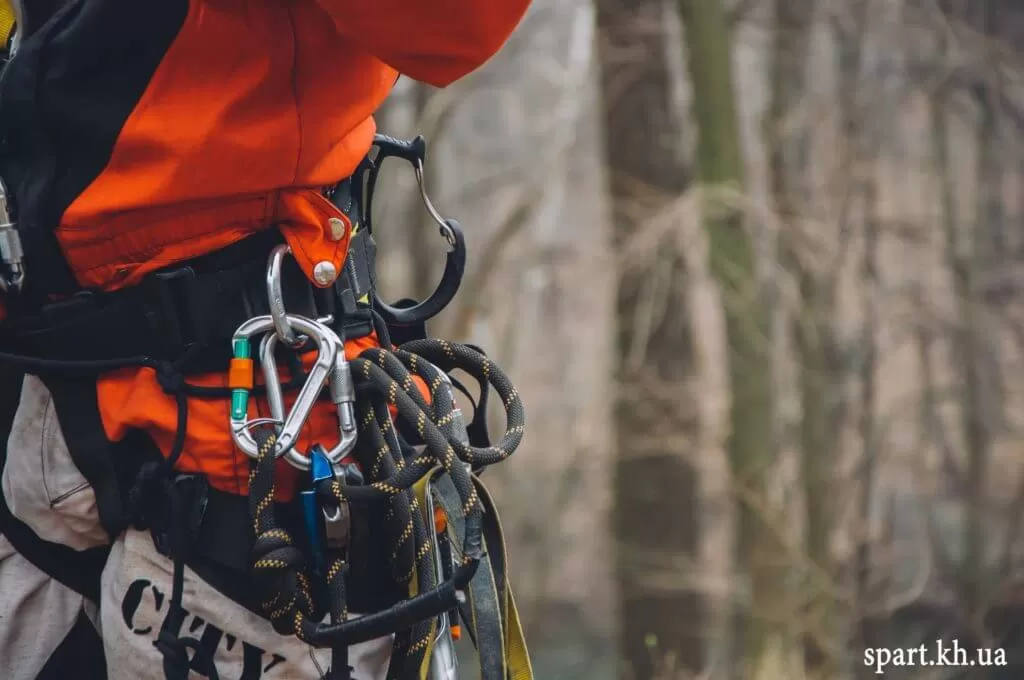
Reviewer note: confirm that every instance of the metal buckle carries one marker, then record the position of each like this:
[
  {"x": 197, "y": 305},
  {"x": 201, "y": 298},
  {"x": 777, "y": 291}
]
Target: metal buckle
[{"x": 12, "y": 255}]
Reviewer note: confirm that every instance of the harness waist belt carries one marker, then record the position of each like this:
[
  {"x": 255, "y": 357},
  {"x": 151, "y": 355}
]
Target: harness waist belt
[{"x": 191, "y": 310}]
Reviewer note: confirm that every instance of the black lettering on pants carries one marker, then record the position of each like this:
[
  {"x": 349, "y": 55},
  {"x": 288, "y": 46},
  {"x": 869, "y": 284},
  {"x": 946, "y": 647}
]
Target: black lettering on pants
[{"x": 142, "y": 595}]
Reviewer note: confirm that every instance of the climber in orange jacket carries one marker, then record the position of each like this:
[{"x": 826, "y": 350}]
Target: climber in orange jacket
[{"x": 142, "y": 136}]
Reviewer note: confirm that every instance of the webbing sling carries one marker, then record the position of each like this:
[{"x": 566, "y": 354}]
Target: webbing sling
[{"x": 490, "y": 612}]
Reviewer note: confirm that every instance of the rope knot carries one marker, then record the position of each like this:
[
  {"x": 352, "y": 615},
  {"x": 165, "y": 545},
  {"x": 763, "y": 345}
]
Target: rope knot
[
  {"x": 277, "y": 568},
  {"x": 170, "y": 378}
]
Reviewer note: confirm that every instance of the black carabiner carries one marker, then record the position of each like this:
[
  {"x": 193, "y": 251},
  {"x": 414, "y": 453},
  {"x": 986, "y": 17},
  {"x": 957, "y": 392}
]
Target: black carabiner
[
  {"x": 414, "y": 152},
  {"x": 451, "y": 279}
]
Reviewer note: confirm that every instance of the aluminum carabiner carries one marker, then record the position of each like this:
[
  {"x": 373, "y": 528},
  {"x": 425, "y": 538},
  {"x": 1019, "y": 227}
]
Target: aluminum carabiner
[
  {"x": 328, "y": 345},
  {"x": 341, "y": 389},
  {"x": 275, "y": 298}
]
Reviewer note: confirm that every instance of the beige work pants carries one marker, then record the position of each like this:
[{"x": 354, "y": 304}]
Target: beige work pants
[{"x": 46, "y": 491}]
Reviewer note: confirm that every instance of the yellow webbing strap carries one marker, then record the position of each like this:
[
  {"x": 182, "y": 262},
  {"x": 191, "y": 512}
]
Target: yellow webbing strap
[
  {"x": 6, "y": 23},
  {"x": 517, "y": 656},
  {"x": 505, "y": 633}
]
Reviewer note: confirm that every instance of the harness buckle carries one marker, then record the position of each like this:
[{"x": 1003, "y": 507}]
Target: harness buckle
[
  {"x": 338, "y": 526},
  {"x": 178, "y": 319},
  {"x": 336, "y": 519},
  {"x": 194, "y": 494}
]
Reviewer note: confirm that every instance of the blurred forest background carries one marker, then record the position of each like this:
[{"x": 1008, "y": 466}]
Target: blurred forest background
[{"x": 757, "y": 268}]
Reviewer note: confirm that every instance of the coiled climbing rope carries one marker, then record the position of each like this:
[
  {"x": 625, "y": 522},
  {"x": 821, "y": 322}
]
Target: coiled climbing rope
[{"x": 384, "y": 381}]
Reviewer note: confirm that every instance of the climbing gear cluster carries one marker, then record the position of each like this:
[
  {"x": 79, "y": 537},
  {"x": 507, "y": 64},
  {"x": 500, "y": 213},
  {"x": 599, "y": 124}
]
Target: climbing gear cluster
[
  {"x": 398, "y": 492},
  {"x": 383, "y": 380}
]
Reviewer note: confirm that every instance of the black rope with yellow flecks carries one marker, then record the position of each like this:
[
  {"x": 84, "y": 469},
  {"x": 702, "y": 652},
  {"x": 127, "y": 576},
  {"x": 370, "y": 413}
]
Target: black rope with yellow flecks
[{"x": 384, "y": 382}]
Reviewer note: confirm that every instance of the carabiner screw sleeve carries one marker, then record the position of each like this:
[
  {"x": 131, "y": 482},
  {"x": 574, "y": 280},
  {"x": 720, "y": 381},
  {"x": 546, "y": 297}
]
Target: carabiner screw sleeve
[{"x": 240, "y": 378}]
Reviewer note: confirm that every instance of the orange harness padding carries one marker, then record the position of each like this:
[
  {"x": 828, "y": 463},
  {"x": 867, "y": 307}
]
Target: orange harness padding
[
  {"x": 133, "y": 398},
  {"x": 118, "y": 250}
]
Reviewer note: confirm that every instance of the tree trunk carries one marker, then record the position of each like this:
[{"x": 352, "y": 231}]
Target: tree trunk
[
  {"x": 720, "y": 166},
  {"x": 790, "y": 45},
  {"x": 655, "y": 520}
]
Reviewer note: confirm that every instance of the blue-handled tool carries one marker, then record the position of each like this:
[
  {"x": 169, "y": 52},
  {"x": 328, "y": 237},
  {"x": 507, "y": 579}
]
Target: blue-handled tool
[{"x": 320, "y": 469}]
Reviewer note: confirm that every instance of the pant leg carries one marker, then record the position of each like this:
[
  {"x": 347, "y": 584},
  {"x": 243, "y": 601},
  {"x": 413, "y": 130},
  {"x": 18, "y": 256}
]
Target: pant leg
[
  {"x": 44, "y": 630},
  {"x": 237, "y": 643},
  {"x": 79, "y": 656},
  {"x": 37, "y": 614},
  {"x": 46, "y": 491},
  {"x": 42, "y": 485}
]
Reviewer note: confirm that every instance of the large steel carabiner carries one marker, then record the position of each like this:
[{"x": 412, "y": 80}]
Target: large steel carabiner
[
  {"x": 328, "y": 346},
  {"x": 343, "y": 396}
]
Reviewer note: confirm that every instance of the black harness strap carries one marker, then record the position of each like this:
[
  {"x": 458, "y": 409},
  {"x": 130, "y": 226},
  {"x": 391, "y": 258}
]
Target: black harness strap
[
  {"x": 78, "y": 570},
  {"x": 80, "y": 655},
  {"x": 194, "y": 306},
  {"x": 92, "y": 453}
]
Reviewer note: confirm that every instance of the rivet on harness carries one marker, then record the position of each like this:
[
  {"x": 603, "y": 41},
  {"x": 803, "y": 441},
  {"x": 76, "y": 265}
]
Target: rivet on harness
[{"x": 401, "y": 479}]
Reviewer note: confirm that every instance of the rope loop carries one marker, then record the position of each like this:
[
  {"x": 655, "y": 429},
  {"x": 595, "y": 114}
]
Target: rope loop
[{"x": 388, "y": 392}]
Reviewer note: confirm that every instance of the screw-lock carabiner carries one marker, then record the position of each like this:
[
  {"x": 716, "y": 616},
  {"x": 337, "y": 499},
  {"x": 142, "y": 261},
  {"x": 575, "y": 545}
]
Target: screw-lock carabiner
[{"x": 328, "y": 345}]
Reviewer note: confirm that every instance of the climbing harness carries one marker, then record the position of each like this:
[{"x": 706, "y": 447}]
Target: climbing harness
[
  {"x": 436, "y": 584},
  {"x": 395, "y": 522}
]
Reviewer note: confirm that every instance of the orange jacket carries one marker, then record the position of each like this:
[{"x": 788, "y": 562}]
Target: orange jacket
[{"x": 176, "y": 127}]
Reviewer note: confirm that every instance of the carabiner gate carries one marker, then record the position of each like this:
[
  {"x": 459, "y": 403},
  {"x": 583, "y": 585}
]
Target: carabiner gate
[{"x": 342, "y": 391}]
